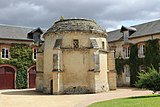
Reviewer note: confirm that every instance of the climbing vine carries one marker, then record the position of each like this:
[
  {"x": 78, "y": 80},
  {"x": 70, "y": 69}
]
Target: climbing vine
[
  {"x": 119, "y": 64},
  {"x": 152, "y": 58},
  {"x": 133, "y": 63},
  {"x": 21, "y": 58}
]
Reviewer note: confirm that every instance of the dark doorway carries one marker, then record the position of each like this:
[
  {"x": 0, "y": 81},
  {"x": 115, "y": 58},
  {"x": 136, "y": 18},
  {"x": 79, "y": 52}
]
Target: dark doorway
[{"x": 51, "y": 87}]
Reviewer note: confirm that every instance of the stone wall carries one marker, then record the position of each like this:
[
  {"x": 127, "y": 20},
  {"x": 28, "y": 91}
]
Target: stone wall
[
  {"x": 39, "y": 63},
  {"x": 39, "y": 72},
  {"x": 39, "y": 82},
  {"x": 112, "y": 80},
  {"x": 76, "y": 66}
]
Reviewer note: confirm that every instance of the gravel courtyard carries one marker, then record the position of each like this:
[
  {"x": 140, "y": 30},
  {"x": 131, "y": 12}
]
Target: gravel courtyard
[{"x": 31, "y": 98}]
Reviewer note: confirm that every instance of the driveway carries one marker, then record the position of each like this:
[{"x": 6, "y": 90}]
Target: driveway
[{"x": 31, "y": 98}]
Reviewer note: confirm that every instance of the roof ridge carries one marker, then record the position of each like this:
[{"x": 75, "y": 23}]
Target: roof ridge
[
  {"x": 18, "y": 26},
  {"x": 145, "y": 23},
  {"x": 136, "y": 25},
  {"x": 113, "y": 31}
]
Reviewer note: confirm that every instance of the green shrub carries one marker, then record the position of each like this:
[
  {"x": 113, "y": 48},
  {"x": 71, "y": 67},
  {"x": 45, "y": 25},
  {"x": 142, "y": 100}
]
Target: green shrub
[{"x": 149, "y": 80}]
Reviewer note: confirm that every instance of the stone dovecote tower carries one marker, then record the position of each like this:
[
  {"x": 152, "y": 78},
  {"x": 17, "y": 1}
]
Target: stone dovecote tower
[{"x": 75, "y": 59}]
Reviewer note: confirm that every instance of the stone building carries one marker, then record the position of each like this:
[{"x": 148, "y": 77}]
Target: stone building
[
  {"x": 12, "y": 35},
  {"x": 120, "y": 40},
  {"x": 75, "y": 58}
]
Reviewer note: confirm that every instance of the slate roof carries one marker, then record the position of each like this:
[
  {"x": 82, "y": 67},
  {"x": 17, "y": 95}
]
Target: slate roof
[
  {"x": 14, "y": 32},
  {"x": 144, "y": 29},
  {"x": 114, "y": 35}
]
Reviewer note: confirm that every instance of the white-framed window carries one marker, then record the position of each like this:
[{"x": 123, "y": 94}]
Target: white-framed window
[
  {"x": 126, "y": 52},
  {"x": 5, "y": 53},
  {"x": 141, "y": 50},
  {"x": 114, "y": 49},
  {"x": 127, "y": 70},
  {"x": 75, "y": 43},
  {"x": 35, "y": 50},
  {"x": 142, "y": 68}
]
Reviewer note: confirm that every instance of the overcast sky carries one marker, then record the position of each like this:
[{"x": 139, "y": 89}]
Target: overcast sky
[{"x": 110, "y": 14}]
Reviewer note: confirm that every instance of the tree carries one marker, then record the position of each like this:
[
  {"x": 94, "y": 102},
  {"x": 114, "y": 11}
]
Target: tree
[{"x": 149, "y": 80}]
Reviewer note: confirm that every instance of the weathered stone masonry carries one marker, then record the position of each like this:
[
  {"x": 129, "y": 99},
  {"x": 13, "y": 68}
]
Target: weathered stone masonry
[{"x": 74, "y": 59}]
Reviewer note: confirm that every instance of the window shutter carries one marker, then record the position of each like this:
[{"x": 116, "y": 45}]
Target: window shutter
[
  {"x": 55, "y": 61},
  {"x": 97, "y": 62},
  {"x": 94, "y": 43}
]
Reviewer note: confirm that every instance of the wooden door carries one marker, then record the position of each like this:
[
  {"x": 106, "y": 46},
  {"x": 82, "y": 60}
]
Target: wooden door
[
  {"x": 32, "y": 77},
  {"x": 7, "y": 78}
]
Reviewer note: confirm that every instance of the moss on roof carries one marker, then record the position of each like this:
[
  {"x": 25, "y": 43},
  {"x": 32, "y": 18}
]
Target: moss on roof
[{"x": 84, "y": 25}]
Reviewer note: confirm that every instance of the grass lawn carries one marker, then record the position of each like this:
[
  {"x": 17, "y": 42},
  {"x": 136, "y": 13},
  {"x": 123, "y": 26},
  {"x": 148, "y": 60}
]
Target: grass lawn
[{"x": 141, "y": 101}]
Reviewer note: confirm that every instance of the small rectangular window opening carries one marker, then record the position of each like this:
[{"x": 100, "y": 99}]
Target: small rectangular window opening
[{"x": 76, "y": 43}]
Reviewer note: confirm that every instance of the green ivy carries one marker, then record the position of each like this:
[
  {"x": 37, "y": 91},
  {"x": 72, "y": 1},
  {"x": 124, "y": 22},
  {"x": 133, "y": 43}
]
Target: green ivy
[
  {"x": 133, "y": 63},
  {"x": 119, "y": 64},
  {"x": 21, "y": 58},
  {"x": 152, "y": 58}
]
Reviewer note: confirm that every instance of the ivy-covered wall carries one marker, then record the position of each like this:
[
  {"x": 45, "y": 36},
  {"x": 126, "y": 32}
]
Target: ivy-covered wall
[
  {"x": 152, "y": 58},
  {"x": 21, "y": 58}
]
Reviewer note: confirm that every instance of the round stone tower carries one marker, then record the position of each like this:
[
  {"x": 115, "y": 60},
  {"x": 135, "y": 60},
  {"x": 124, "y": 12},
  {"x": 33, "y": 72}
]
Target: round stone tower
[{"x": 74, "y": 58}]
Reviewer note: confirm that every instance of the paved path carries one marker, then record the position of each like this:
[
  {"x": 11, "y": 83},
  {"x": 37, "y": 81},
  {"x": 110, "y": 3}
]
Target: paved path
[{"x": 30, "y": 98}]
